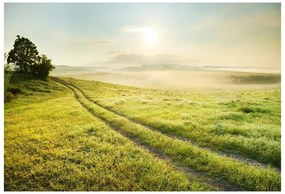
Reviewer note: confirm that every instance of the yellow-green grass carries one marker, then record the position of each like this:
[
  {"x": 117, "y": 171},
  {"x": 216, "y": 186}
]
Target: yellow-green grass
[
  {"x": 53, "y": 143},
  {"x": 243, "y": 122},
  {"x": 215, "y": 166}
]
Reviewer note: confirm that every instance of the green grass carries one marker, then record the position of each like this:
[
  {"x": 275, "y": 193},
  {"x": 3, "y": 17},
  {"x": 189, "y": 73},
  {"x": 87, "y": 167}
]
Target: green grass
[
  {"x": 248, "y": 120},
  {"x": 52, "y": 143},
  {"x": 55, "y": 142},
  {"x": 213, "y": 165}
]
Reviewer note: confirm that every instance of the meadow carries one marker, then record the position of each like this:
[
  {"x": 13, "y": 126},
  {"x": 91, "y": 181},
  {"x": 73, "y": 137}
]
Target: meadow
[{"x": 70, "y": 134}]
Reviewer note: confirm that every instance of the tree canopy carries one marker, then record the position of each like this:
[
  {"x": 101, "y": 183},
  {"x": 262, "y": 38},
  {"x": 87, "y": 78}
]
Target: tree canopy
[
  {"x": 26, "y": 58},
  {"x": 42, "y": 68}
]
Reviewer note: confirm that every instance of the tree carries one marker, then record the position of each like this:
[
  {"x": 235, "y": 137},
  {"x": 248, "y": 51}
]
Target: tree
[
  {"x": 42, "y": 67},
  {"x": 27, "y": 60},
  {"x": 24, "y": 54}
]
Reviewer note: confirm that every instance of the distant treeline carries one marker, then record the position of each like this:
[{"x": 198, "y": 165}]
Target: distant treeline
[{"x": 256, "y": 79}]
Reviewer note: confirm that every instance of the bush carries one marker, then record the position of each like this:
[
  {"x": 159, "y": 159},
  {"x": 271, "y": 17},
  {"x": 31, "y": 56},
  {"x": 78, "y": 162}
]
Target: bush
[{"x": 42, "y": 68}]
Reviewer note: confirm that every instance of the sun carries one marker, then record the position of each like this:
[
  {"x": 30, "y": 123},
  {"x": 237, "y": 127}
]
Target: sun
[{"x": 150, "y": 36}]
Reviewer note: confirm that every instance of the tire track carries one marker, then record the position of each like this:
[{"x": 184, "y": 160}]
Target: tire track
[
  {"x": 200, "y": 176},
  {"x": 236, "y": 157}
]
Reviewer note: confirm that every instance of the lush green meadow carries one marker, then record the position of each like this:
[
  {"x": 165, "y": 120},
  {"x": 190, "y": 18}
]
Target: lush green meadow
[
  {"x": 69, "y": 134},
  {"x": 52, "y": 143}
]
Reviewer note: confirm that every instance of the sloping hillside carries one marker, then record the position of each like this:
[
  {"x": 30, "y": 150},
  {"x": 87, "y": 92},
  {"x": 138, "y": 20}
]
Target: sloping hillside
[{"x": 69, "y": 134}]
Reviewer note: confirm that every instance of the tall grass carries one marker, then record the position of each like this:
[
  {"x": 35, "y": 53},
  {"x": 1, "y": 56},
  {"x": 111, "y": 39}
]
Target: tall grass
[
  {"x": 243, "y": 122},
  {"x": 214, "y": 166},
  {"x": 53, "y": 144}
]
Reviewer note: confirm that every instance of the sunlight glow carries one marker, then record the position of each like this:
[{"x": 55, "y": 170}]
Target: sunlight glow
[{"x": 150, "y": 36}]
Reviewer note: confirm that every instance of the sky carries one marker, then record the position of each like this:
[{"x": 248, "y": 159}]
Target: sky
[{"x": 120, "y": 35}]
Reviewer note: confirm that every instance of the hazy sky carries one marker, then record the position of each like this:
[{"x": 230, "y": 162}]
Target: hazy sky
[{"x": 117, "y": 35}]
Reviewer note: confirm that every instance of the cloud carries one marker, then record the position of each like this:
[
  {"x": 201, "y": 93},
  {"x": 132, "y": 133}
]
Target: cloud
[
  {"x": 136, "y": 59},
  {"x": 114, "y": 53},
  {"x": 101, "y": 42}
]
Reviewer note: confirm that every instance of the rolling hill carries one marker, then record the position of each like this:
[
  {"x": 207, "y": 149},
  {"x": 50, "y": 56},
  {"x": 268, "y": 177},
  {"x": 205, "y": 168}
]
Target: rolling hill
[{"x": 66, "y": 134}]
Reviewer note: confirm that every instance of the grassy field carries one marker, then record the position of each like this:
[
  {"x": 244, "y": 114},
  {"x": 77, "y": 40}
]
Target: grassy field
[
  {"x": 69, "y": 134},
  {"x": 245, "y": 122}
]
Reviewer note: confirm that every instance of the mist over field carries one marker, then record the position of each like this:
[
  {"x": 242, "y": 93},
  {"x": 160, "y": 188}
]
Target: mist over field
[{"x": 167, "y": 78}]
